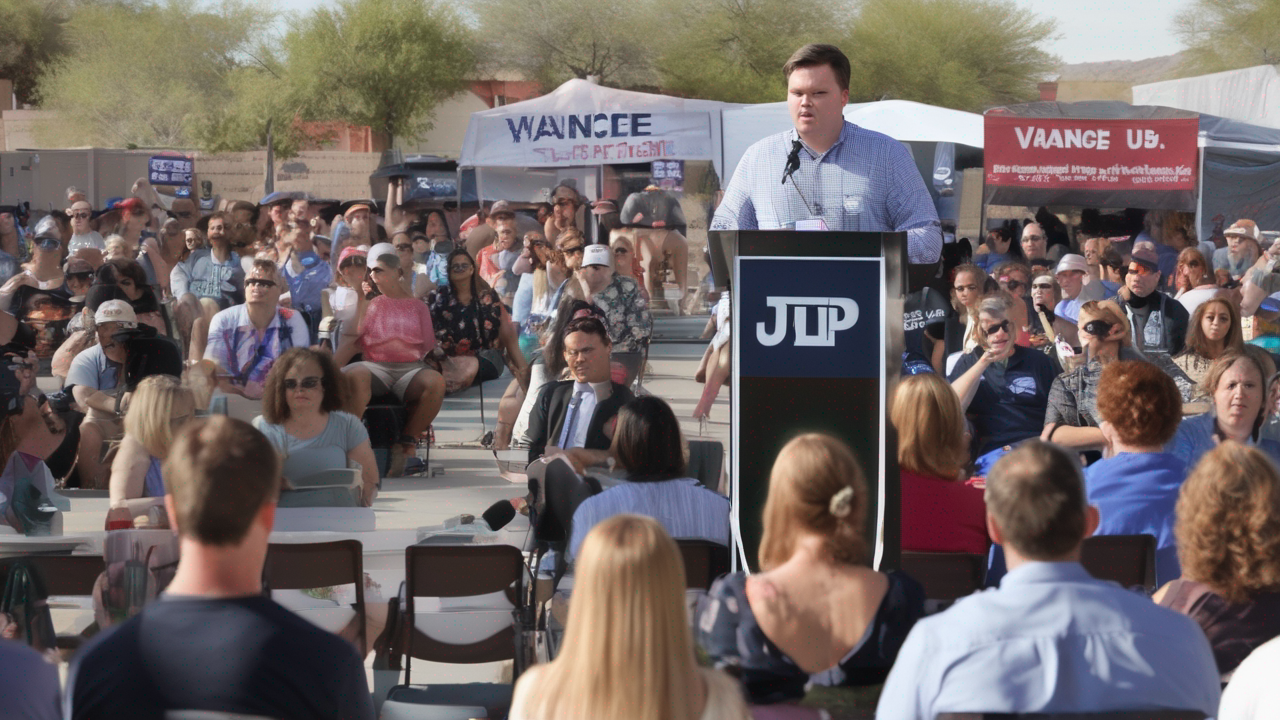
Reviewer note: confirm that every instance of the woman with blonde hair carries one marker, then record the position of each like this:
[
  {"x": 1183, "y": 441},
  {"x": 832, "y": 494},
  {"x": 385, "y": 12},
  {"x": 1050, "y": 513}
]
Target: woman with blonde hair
[
  {"x": 627, "y": 652},
  {"x": 1071, "y": 418},
  {"x": 967, "y": 291},
  {"x": 816, "y": 613},
  {"x": 1228, "y": 532},
  {"x": 157, "y": 409},
  {"x": 940, "y": 511}
]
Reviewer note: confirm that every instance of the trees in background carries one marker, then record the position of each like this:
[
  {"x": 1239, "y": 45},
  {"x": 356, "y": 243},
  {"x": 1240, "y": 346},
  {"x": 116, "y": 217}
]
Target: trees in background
[
  {"x": 32, "y": 37},
  {"x": 382, "y": 63},
  {"x": 1229, "y": 34},
  {"x": 234, "y": 75}
]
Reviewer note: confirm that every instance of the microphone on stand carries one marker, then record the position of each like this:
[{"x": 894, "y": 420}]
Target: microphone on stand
[{"x": 793, "y": 164}]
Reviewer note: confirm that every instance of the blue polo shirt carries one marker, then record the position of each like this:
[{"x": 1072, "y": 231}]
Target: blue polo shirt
[
  {"x": 1010, "y": 403},
  {"x": 1135, "y": 494}
]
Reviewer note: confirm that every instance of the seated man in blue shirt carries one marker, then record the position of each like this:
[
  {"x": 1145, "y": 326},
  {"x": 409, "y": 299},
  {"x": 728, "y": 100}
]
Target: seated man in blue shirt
[
  {"x": 1051, "y": 639},
  {"x": 209, "y": 280},
  {"x": 1003, "y": 388}
]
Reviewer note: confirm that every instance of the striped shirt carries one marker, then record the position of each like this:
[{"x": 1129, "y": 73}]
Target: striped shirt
[
  {"x": 866, "y": 182},
  {"x": 684, "y": 507}
]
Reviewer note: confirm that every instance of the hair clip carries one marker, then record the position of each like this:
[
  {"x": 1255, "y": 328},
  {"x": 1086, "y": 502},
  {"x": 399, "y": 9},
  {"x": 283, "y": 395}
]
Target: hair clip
[{"x": 841, "y": 503}]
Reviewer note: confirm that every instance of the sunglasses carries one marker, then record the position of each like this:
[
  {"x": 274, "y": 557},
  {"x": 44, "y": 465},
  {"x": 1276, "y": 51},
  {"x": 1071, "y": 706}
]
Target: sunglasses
[
  {"x": 404, "y": 248},
  {"x": 1098, "y": 328},
  {"x": 48, "y": 244},
  {"x": 353, "y": 260},
  {"x": 575, "y": 250},
  {"x": 260, "y": 283},
  {"x": 998, "y": 327},
  {"x": 459, "y": 267},
  {"x": 1140, "y": 270},
  {"x": 308, "y": 383},
  {"x": 1014, "y": 284},
  {"x": 1042, "y": 286},
  {"x": 80, "y": 215}
]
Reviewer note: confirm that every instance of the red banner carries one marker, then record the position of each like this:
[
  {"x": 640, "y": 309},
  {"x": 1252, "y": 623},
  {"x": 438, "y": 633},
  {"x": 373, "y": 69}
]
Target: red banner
[{"x": 1088, "y": 154}]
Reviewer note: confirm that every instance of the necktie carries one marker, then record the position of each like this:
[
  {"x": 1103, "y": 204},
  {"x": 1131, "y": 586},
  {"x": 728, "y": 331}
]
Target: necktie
[{"x": 571, "y": 421}]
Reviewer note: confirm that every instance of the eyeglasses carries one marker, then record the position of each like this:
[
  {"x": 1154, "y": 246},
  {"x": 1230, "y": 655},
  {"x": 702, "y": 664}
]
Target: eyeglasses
[
  {"x": 998, "y": 327},
  {"x": 80, "y": 215},
  {"x": 1140, "y": 270},
  {"x": 260, "y": 283},
  {"x": 459, "y": 267},
  {"x": 575, "y": 250},
  {"x": 407, "y": 247},
  {"x": 307, "y": 383}
]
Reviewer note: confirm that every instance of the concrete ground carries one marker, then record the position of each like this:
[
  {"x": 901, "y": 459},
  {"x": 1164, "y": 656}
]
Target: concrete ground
[{"x": 470, "y": 481}]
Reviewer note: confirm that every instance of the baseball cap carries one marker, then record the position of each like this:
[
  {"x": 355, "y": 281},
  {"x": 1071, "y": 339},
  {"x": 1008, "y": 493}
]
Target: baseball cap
[
  {"x": 1144, "y": 253},
  {"x": 77, "y": 266},
  {"x": 355, "y": 209},
  {"x": 350, "y": 252},
  {"x": 501, "y": 207},
  {"x": 116, "y": 311},
  {"x": 603, "y": 207},
  {"x": 1070, "y": 262},
  {"x": 1247, "y": 228},
  {"x": 377, "y": 251},
  {"x": 597, "y": 255}
]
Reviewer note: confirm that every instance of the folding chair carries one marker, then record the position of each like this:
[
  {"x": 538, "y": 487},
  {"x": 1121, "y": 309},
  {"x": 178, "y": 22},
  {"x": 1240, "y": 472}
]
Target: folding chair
[
  {"x": 337, "y": 487},
  {"x": 457, "y": 571},
  {"x": 704, "y": 561},
  {"x": 946, "y": 576},
  {"x": 706, "y": 462},
  {"x": 1129, "y": 560},
  {"x": 73, "y": 575},
  {"x": 303, "y": 566}
]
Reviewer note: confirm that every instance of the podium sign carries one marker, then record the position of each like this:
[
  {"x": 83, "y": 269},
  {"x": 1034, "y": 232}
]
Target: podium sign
[{"x": 817, "y": 343}]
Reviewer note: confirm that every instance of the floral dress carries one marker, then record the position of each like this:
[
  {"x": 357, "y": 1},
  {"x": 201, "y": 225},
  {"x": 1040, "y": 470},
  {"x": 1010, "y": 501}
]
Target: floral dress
[{"x": 464, "y": 329}]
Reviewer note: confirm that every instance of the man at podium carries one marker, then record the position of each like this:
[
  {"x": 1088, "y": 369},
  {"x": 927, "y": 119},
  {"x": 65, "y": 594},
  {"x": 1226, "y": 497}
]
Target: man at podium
[{"x": 829, "y": 174}]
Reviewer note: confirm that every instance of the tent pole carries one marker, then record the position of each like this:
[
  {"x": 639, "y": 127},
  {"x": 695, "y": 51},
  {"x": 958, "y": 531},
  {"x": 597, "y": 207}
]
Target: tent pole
[{"x": 1200, "y": 191}]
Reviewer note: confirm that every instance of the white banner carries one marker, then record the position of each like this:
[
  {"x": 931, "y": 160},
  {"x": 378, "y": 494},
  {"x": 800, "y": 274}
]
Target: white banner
[{"x": 592, "y": 138}]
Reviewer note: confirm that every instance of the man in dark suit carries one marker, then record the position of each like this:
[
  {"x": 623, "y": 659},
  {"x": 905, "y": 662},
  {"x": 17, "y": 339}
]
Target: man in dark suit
[{"x": 574, "y": 417}]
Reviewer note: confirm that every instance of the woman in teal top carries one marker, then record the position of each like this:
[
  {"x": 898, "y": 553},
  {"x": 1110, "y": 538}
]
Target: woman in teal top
[{"x": 301, "y": 417}]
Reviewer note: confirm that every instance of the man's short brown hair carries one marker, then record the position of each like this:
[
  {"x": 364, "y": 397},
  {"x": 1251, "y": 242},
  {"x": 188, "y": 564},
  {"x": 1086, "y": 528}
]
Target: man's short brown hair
[
  {"x": 1036, "y": 495},
  {"x": 220, "y": 473},
  {"x": 815, "y": 54}
]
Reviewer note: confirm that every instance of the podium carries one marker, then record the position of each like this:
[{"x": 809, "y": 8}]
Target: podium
[{"x": 817, "y": 347}]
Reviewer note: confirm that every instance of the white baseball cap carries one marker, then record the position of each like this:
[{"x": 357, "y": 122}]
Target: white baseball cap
[
  {"x": 117, "y": 311},
  {"x": 597, "y": 255},
  {"x": 381, "y": 249}
]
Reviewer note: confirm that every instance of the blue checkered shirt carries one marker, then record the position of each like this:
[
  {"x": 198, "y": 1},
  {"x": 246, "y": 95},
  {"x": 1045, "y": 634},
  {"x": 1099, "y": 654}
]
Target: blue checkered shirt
[{"x": 866, "y": 182}]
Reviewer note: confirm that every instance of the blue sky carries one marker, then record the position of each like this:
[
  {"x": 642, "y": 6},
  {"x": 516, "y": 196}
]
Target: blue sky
[{"x": 1088, "y": 30}]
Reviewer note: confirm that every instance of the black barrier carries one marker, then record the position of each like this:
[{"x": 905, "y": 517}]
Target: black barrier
[{"x": 818, "y": 341}]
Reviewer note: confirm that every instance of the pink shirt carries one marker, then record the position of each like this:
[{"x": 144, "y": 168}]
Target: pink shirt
[
  {"x": 942, "y": 515},
  {"x": 396, "y": 330}
]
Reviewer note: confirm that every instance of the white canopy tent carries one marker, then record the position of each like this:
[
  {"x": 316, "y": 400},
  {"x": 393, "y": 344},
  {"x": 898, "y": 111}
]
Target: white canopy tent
[
  {"x": 524, "y": 149},
  {"x": 1250, "y": 95},
  {"x": 899, "y": 119}
]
